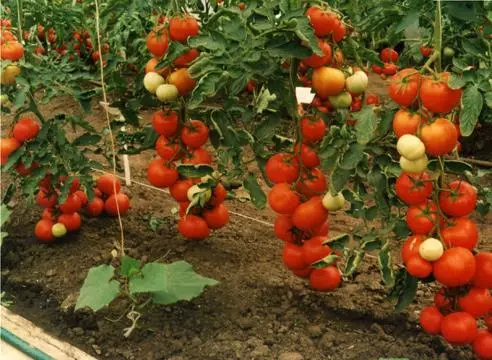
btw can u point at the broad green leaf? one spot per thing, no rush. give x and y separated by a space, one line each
472 103
411 18
351 158
367 123
339 179
98 289
456 81
452 166
206 87
385 265
87 139
304 31
129 266
401 229
488 99
370 243
152 278
258 197
326 261
4 216
213 43
266 129
339 242
404 290
289 50
194 171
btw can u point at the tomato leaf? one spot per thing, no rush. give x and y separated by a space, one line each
288 49
98 289
404 289
258 197
352 262
194 171
385 263
456 81
339 179
305 32
263 99
367 123
472 103
411 18
129 266
351 158
214 43
4 217
488 99
87 139
206 87
326 261
339 242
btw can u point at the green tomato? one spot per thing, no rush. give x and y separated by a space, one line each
341 101
333 203
152 81
448 52
357 83
410 147
431 249
58 230
167 92
414 166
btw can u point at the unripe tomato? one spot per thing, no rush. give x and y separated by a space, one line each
448 52
58 230
182 80
415 166
410 147
167 93
341 101
333 203
431 249
117 202
328 81
152 81
357 83
325 279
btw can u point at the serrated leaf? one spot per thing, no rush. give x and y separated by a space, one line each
352 262
206 87
98 289
351 158
194 171
129 266
304 31
367 123
258 197
385 265
339 179
411 18
472 103
456 81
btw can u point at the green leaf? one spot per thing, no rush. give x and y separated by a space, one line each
129 266
411 18
98 289
212 43
304 31
4 217
353 261
263 100
258 197
289 50
339 179
472 103
266 129
385 265
488 99
401 229
339 242
195 171
351 158
367 123
87 139
404 290
206 87
326 261
456 81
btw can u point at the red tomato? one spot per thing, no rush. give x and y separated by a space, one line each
199 156
461 232
425 51
108 184
23 171
405 122
11 50
42 230
71 221
47 214
413 189
314 250
313 182
455 267
179 190
483 275
117 202
309 157
482 345
325 279
310 214
7 147
292 257
166 150
421 218
193 227
459 328
388 55
418 267
250 86
411 247
390 69
165 122
181 28
356 105
283 228
488 321
157 42
282 199
219 194
377 69
151 67
82 197
441 300
477 302
323 22
312 129
339 31
194 134
404 86
282 167
459 198
161 175
185 59
316 61
95 207
25 129
45 199
440 137
321 230
74 186
303 273
431 320
216 217
437 96
71 205
372 99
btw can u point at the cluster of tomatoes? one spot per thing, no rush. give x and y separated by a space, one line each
201 207
444 237
10 49
389 57
178 80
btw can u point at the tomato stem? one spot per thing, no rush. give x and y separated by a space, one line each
438 35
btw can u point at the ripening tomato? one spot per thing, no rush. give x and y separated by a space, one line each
411 247
328 81
390 69
7 147
194 134
199 156
425 50
282 199
325 279
455 267
314 249
82 197
11 50
462 232
193 227
219 194
216 217
323 22
316 61
95 207
405 122
283 228
117 202
310 214
282 167
431 320
477 302
166 150
161 175
439 137
312 129
413 189
482 345
292 256
185 59
151 67
74 185
459 328
388 55
71 205
372 99
404 86
71 221
158 42
418 267
108 184
182 27
421 218
25 129
182 80
179 190
483 274
165 122
459 198
42 230
437 96
313 182
308 156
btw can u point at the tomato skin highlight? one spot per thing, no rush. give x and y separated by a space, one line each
455 267
459 328
411 247
431 320
325 279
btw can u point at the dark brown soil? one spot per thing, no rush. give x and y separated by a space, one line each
259 310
